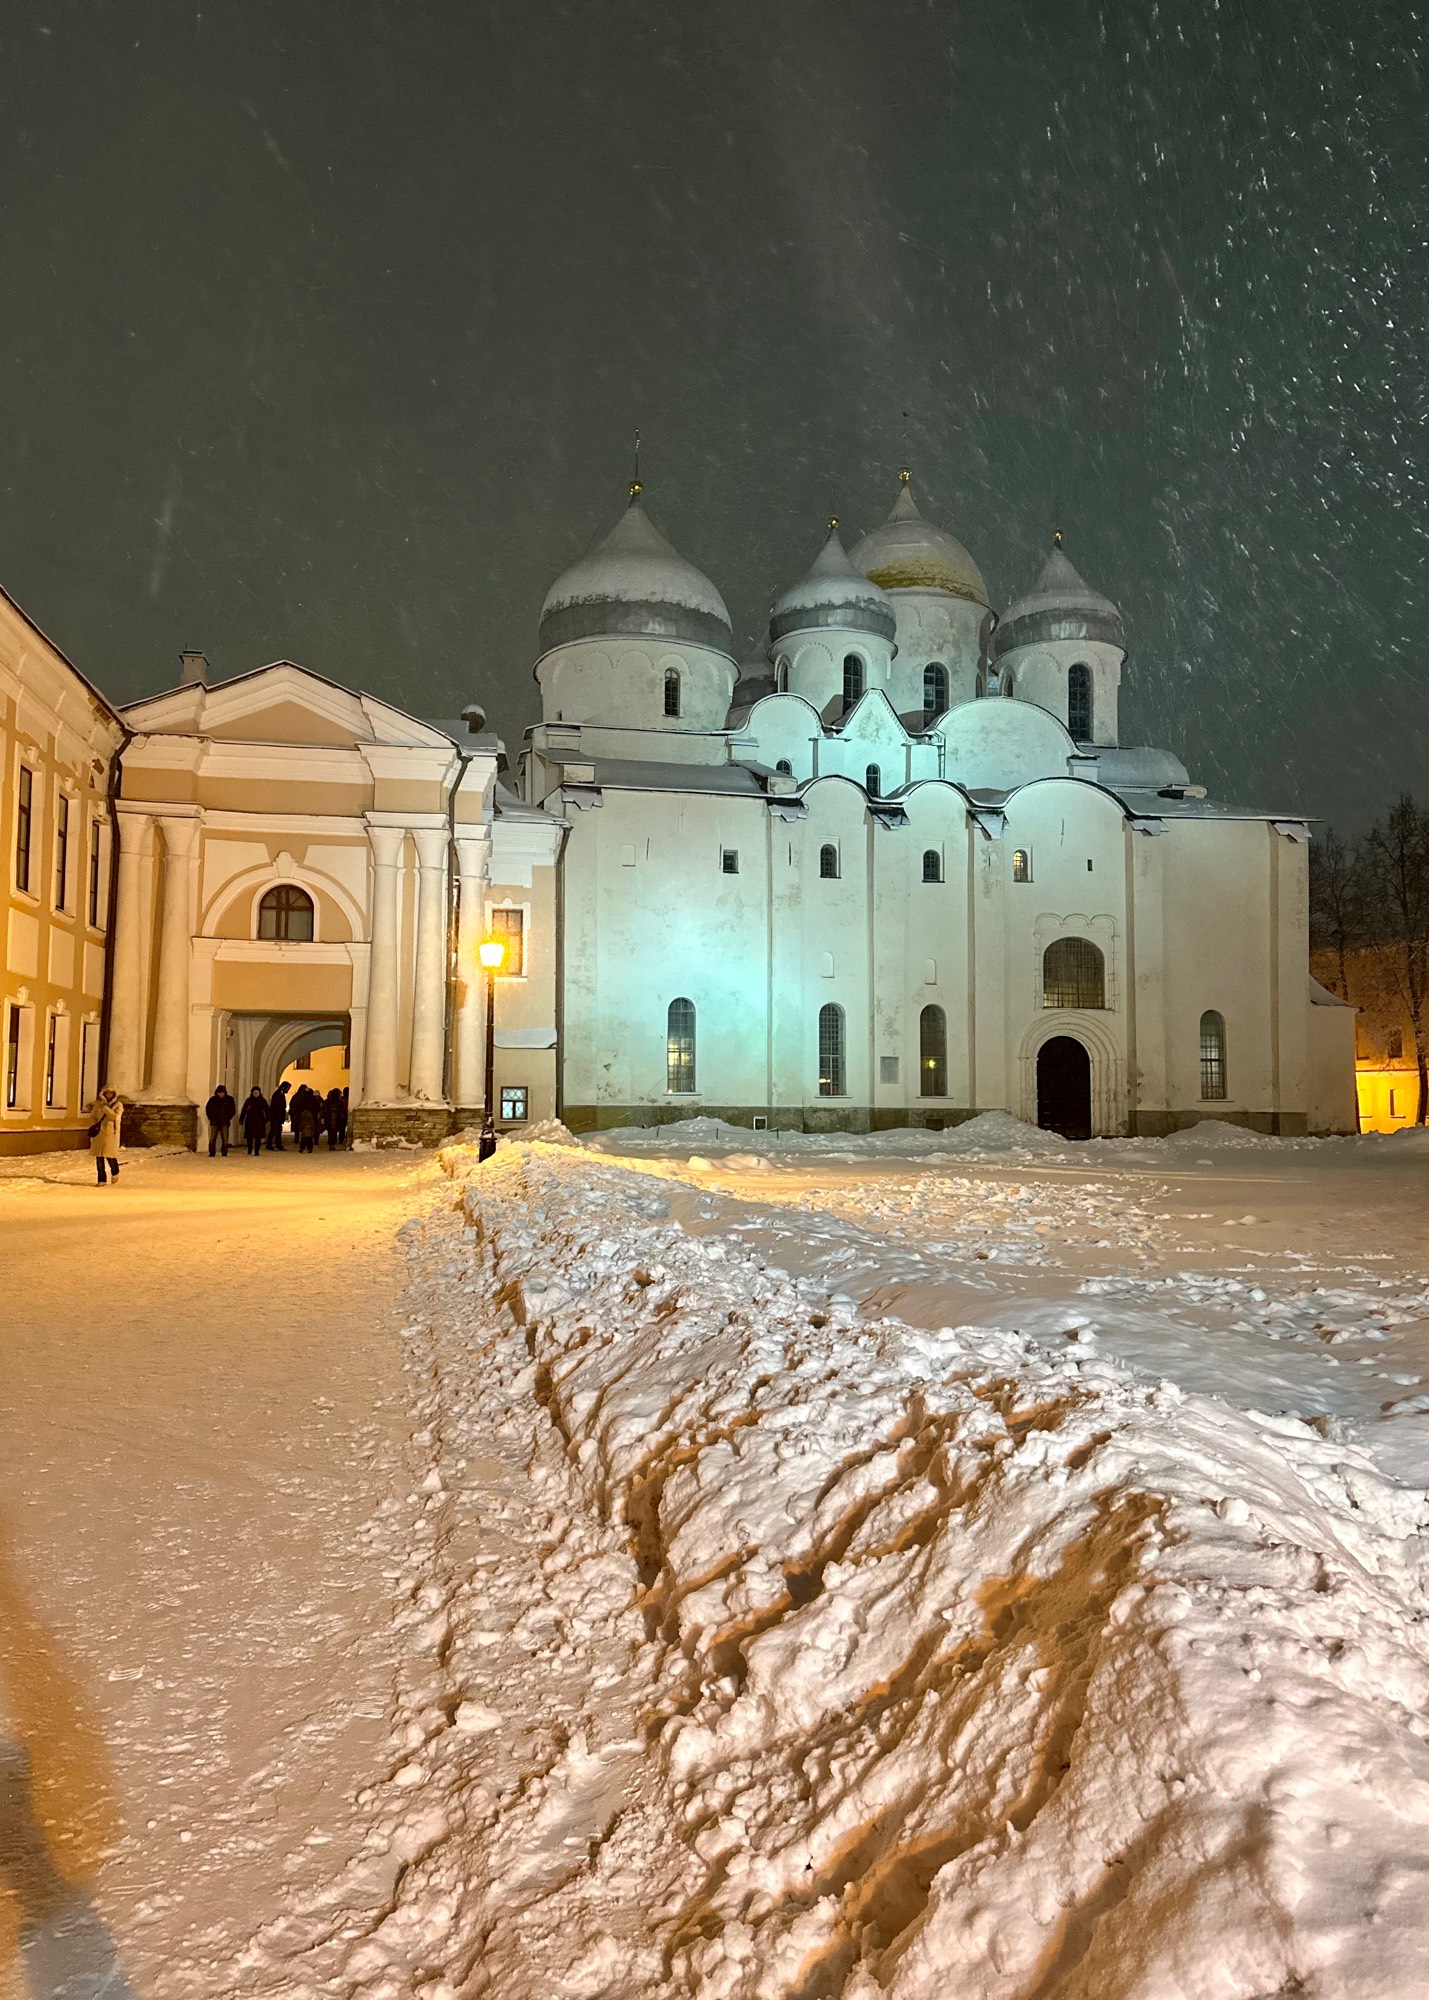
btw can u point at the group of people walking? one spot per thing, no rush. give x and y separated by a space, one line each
261 1119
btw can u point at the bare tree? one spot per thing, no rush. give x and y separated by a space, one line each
1394 856
1337 902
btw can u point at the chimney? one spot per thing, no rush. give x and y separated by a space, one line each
193 670
474 716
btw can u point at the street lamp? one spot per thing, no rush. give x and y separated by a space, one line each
492 953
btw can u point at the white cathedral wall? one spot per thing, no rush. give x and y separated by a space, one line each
933 625
1039 674
997 745
622 680
1204 914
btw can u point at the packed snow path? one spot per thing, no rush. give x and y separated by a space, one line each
202 1412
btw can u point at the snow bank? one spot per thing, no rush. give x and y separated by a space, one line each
969 1670
989 1132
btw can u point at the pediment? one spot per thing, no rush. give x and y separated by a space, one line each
872 723
282 703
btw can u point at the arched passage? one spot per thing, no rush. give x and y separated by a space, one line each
1064 1087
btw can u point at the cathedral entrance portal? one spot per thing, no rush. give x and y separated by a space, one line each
1064 1088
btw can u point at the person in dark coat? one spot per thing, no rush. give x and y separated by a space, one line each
254 1119
342 1120
219 1111
277 1115
334 1116
307 1118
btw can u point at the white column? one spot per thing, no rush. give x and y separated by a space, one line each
168 1083
380 1068
429 993
469 1023
125 1063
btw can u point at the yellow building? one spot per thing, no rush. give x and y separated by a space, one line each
58 741
1388 1094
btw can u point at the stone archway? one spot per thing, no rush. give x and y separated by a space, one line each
1064 1087
259 1047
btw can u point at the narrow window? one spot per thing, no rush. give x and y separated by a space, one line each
932 1053
672 692
286 915
1073 974
94 881
1394 1045
935 690
729 860
1006 682
853 680
932 865
61 852
785 766
1213 1055
12 1058
52 1048
1021 865
829 862
88 1062
1079 703
781 676
831 1050
680 1046
510 927
24 828
515 1103
1393 1107
873 781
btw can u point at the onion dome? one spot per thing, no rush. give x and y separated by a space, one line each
833 595
1058 606
634 582
909 553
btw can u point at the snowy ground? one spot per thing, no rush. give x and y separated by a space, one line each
974 1567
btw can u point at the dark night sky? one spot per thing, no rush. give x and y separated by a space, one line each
326 325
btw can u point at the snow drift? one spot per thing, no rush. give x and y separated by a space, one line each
963 1669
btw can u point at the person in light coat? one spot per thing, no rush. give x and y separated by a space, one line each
106 1114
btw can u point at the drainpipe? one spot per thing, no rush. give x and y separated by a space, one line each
453 922
111 907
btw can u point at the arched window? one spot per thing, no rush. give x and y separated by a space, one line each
781 676
680 1046
785 766
932 865
935 689
873 781
286 914
932 1053
1079 703
829 862
1213 1055
831 1050
672 691
1021 865
853 680
1005 681
1073 974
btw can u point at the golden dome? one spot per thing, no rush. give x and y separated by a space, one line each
909 553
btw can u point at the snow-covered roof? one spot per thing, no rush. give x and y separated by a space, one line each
1060 605
634 581
834 594
909 553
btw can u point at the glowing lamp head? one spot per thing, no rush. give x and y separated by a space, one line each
492 953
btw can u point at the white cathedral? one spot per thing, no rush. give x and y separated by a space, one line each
897 872
903 870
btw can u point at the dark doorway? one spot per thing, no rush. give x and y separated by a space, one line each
1064 1088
